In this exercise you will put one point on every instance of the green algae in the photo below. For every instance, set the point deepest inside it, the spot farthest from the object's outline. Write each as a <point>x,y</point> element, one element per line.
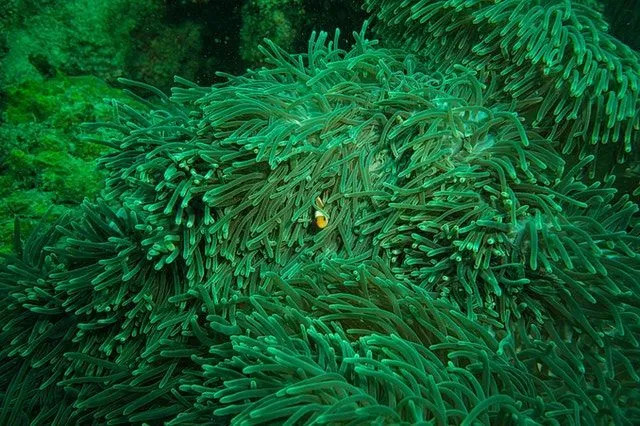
<point>44,158</point>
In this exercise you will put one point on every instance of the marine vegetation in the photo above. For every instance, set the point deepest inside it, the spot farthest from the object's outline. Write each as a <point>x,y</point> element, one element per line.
<point>466,273</point>
<point>44,163</point>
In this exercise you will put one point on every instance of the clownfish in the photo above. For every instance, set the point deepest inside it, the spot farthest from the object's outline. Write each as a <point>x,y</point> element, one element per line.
<point>321,220</point>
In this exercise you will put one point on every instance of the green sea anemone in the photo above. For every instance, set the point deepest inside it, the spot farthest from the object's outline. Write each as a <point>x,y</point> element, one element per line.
<point>467,274</point>
<point>553,60</point>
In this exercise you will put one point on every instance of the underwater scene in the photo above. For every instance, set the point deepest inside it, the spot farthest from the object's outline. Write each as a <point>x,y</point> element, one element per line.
<point>341,212</point>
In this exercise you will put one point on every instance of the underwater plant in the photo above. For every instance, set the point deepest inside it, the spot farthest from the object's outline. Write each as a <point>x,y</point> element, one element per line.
<point>44,162</point>
<point>464,273</point>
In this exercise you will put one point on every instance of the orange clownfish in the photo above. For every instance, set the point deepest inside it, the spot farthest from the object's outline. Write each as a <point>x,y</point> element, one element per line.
<point>321,218</point>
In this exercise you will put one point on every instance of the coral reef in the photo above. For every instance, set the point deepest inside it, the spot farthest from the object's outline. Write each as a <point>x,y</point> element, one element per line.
<point>82,37</point>
<point>45,159</point>
<point>467,274</point>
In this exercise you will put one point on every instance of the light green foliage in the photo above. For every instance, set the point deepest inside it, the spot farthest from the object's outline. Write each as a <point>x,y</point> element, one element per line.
<point>44,160</point>
<point>467,274</point>
<point>553,59</point>
<point>62,102</point>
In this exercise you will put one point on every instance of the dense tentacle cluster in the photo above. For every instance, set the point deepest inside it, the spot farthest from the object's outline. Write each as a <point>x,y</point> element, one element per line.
<point>552,58</point>
<point>465,275</point>
<point>355,344</point>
